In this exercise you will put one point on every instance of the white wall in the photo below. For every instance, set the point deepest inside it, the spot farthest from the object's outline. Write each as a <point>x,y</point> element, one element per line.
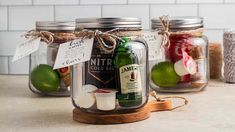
<point>18,16</point>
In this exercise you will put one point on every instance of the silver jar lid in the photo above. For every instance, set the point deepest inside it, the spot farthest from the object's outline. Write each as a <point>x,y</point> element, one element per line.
<point>57,26</point>
<point>108,23</point>
<point>181,23</point>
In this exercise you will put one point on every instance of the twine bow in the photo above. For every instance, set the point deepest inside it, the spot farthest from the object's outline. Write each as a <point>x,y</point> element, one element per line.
<point>45,35</point>
<point>102,38</point>
<point>154,94</point>
<point>165,22</point>
<point>107,40</point>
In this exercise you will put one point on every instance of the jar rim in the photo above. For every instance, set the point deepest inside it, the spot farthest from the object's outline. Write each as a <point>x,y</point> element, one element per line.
<point>109,22</point>
<point>180,23</point>
<point>56,26</point>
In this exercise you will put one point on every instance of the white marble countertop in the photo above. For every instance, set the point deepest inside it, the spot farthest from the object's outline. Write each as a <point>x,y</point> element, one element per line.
<point>212,110</point>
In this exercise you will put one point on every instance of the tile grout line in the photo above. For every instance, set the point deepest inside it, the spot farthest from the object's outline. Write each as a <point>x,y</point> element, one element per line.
<point>101,10</point>
<point>105,4</point>
<point>197,9</point>
<point>175,3</point>
<point>8,18</point>
<point>79,2</point>
<point>54,14</point>
<point>150,16</point>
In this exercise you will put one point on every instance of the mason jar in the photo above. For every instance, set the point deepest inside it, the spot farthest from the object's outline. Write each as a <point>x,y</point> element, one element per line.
<point>43,80</point>
<point>112,81</point>
<point>184,63</point>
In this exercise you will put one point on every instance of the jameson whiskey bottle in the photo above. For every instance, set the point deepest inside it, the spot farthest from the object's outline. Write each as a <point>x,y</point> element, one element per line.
<point>128,75</point>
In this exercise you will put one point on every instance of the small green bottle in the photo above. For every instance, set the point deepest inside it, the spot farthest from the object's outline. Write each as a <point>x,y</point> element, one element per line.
<point>128,75</point>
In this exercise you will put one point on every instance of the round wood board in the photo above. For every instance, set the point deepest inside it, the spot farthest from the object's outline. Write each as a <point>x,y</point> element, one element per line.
<point>119,118</point>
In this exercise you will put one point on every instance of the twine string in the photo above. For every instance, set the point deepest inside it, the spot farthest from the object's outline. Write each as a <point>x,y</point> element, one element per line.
<point>165,23</point>
<point>107,40</point>
<point>46,36</point>
<point>154,94</point>
<point>102,38</point>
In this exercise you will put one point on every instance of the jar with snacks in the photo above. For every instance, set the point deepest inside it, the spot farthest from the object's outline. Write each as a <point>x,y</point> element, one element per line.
<point>43,79</point>
<point>114,79</point>
<point>184,65</point>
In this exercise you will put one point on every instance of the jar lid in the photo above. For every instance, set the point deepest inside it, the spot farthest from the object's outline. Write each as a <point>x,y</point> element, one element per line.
<point>108,23</point>
<point>181,23</point>
<point>50,25</point>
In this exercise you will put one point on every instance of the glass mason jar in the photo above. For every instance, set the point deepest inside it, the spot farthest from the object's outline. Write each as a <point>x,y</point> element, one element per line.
<point>184,63</point>
<point>43,80</point>
<point>113,81</point>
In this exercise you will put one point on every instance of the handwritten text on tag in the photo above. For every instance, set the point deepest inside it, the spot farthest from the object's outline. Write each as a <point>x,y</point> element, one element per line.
<point>154,44</point>
<point>26,48</point>
<point>73,52</point>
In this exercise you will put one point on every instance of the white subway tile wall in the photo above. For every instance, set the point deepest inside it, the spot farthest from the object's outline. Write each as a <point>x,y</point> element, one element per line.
<point>4,65</point>
<point>150,1</point>
<point>229,1</point>
<point>3,18</point>
<point>218,16</point>
<point>19,67</point>
<point>55,2</point>
<point>173,10</point>
<point>16,2</point>
<point>24,17</point>
<point>102,2</point>
<point>141,11</point>
<point>63,13</point>
<point>214,35</point>
<point>18,16</point>
<point>200,1</point>
<point>9,41</point>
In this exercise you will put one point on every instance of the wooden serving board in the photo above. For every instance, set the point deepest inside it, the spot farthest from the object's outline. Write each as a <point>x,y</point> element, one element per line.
<point>119,118</point>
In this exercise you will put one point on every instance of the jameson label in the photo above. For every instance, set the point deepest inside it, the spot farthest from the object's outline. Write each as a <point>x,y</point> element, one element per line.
<point>99,70</point>
<point>130,78</point>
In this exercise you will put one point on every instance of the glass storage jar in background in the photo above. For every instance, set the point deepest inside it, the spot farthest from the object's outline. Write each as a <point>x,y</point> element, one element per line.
<point>184,66</point>
<point>43,79</point>
<point>112,81</point>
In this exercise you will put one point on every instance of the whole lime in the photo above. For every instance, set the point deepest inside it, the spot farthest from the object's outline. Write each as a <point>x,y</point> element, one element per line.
<point>45,79</point>
<point>164,75</point>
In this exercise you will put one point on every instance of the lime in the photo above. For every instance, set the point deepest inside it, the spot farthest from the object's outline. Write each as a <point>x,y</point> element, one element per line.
<point>45,79</point>
<point>164,75</point>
